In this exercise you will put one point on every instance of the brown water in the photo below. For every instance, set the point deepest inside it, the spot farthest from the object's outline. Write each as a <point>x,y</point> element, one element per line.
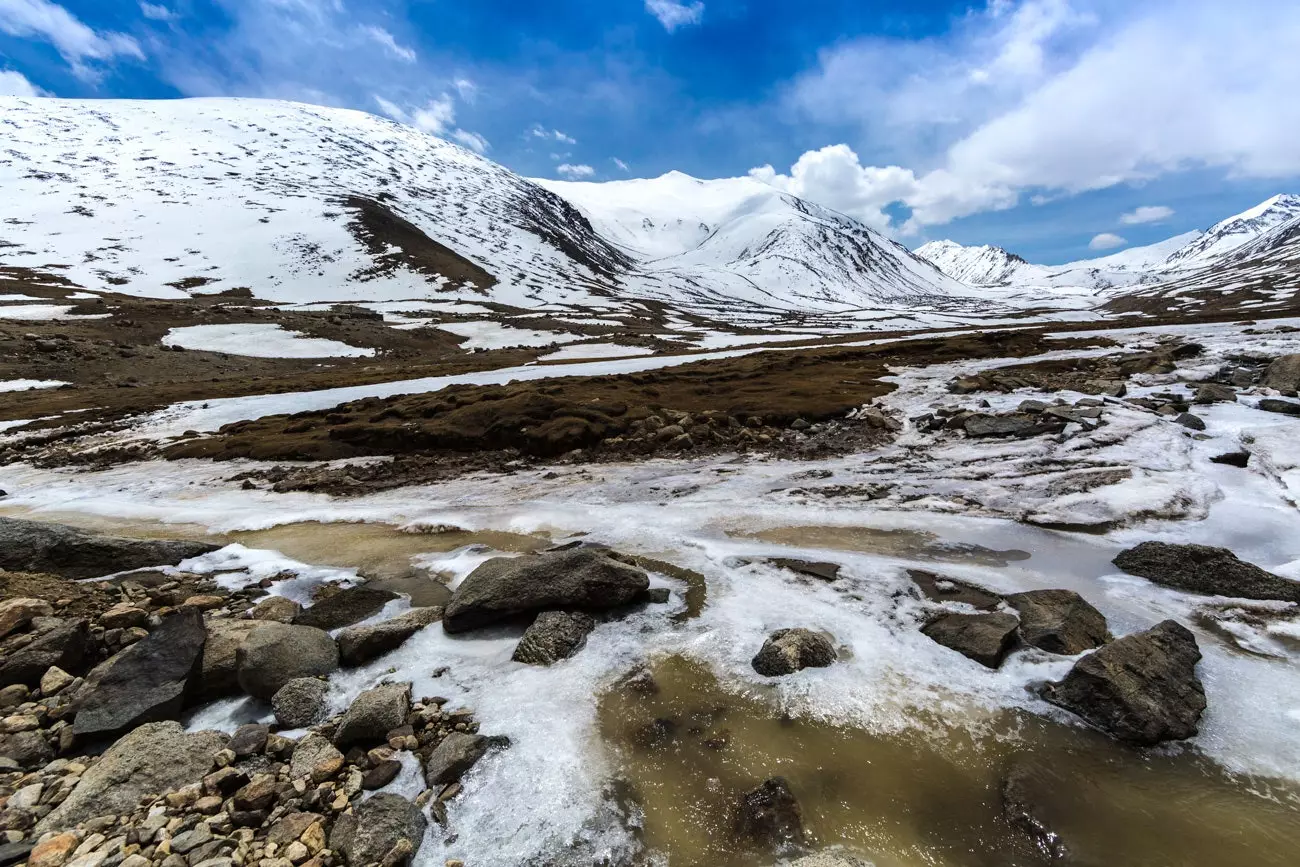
<point>909,544</point>
<point>934,799</point>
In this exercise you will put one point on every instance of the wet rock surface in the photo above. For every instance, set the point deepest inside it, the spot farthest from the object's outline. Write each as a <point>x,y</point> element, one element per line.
<point>360,644</point>
<point>770,815</point>
<point>1059,621</point>
<point>385,828</point>
<point>346,607</point>
<point>300,702</point>
<point>554,636</point>
<point>985,638</point>
<point>1141,688</point>
<point>507,587</point>
<point>787,651</point>
<point>1021,810</point>
<point>1205,569</point>
<point>274,654</point>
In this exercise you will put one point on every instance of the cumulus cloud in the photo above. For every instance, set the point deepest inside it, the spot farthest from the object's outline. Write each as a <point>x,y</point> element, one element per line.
<point>435,116</point>
<point>1146,214</point>
<point>1044,98</point>
<point>156,12</point>
<point>14,83</point>
<point>1106,241</point>
<point>77,43</point>
<point>673,14</point>
<point>575,173</point>
<point>471,140</point>
<point>835,177</point>
<point>383,38</point>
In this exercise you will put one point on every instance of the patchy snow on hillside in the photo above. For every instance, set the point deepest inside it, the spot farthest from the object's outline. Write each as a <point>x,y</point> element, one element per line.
<point>260,340</point>
<point>487,334</point>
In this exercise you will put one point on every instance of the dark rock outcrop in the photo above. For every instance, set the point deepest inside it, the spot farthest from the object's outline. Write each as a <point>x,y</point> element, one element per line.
<point>276,653</point>
<point>506,587</point>
<point>1281,407</point>
<point>985,638</point>
<point>1141,688</point>
<point>147,682</point>
<point>810,568</point>
<point>1204,569</point>
<point>789,650</point>
<point>349,605</point>
<point>360,644</point>
<point>553,636</point>
<point>36,546</point>
<point>938,588</point>
<point>771,815</point>
<point>1059,621</point>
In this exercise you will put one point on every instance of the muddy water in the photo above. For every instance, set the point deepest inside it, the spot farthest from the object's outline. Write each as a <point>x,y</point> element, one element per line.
<point>932,799</point>
<point>910,544</point>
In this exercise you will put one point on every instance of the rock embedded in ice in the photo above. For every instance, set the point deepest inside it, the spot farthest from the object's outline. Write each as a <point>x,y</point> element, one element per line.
<point>360,644</point>
<point>986,638</point>
<point>453,758</point>
<point>813,569</point>
<point>1141,688</point>
<point>376,829</point>
<point>770,814</point>
<point>274,654</point>
<point>1205,569</point>
<point>1192,422</point>
<point>300,702</point>
<point>506,587</point>
<point>1059,621</point>
<point>147,682</point>
<point>1213,392</point>
<point>37,546</point>
<point>373,714</point>
<point>1281,407</point>
<point>554,636</point>
<point>937,588</point>
<point>347,606</point>
<point>789,650</point>
<point>1283,374</point>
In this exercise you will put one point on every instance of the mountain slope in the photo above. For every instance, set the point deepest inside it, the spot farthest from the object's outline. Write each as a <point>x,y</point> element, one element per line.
<point>301,203</point>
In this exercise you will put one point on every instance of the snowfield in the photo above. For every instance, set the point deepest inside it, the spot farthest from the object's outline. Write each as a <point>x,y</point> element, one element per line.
<point>259,340</point>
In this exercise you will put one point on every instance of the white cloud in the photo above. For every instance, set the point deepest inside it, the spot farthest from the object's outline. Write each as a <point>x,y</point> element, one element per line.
<point>835,177</point>
<point>466,90</point>
<point>673,14</point>
<point>471,140</point>
<point>539,131</point>
<point>1044,98</point>
<point>392,109</point>
<point>14,83</point>
<point>574,173</point>
<point>74,40</point>
<point>435,116</point>
<point>561,137</point>
<point>1146,214</point>
<point>622,166</point>
<point>382,37</point>
<point>156,12</point>
<point>1106,241</point>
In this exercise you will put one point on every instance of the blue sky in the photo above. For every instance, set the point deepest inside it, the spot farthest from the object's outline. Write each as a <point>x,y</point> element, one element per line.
<point>1050,127</point>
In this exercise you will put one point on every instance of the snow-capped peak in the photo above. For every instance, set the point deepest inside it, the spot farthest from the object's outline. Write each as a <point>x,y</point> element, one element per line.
<point>1227,235</point>
<point>978,266</point>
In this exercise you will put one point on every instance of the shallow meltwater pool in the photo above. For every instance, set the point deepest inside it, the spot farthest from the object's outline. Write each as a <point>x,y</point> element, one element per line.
<point>688,748</point>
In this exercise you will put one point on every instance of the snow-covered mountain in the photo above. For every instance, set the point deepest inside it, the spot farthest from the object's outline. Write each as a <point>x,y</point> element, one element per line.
<point>735,233</point>
<point>1172,259</point>
<point>303,203</point>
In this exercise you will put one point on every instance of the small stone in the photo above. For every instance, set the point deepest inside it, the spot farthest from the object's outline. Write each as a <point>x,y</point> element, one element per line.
<point>54,851</point>
<point>54,681</point>
<point>249,740</point>
<point>381,775</point>
<point>183,843</point>
<point>1190,421</point>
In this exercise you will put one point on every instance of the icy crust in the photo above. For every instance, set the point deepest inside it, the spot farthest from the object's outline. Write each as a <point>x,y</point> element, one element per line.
<point>259,340</point>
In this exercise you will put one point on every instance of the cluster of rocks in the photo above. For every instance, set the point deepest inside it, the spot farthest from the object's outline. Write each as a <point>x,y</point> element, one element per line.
<point>1032,418</point>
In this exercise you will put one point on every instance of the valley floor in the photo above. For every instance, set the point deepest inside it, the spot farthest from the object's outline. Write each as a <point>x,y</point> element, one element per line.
<point>1019,460</point>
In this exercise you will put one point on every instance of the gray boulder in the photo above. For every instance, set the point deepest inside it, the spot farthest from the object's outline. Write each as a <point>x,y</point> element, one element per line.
<point>1014,425</point>
<point>276,653</point>
<point>300,702</point>
<point>1204,569</point>
<point>36,546</point>
<point>348,606</point>
<point>1283,374</point>
<point>16,613</point>
<point>553,636</point>
<point>147,682</point>
<point>1281,407</point>
<point>453,758</point>
<point>985,638</point>
<point>771,815</point>
<point>374,714</point>
<point>155,759</point>
<point>1141,688</point>
<point>315,757</point>
<point>219,666</point>
<point>277,608</point>
<point>1059,621</point>
<point>585,579</point>
<point>29,749</point>
<point>383,828</point>
<point>1212,392</point>
<point>360,644</point>
<point>66,645</point>
<point>789,650</point>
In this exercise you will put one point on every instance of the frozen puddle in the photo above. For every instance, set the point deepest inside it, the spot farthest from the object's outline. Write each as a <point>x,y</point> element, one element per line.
<point>896,751</point>
<point>260,340</point>
<point>27,384</point>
